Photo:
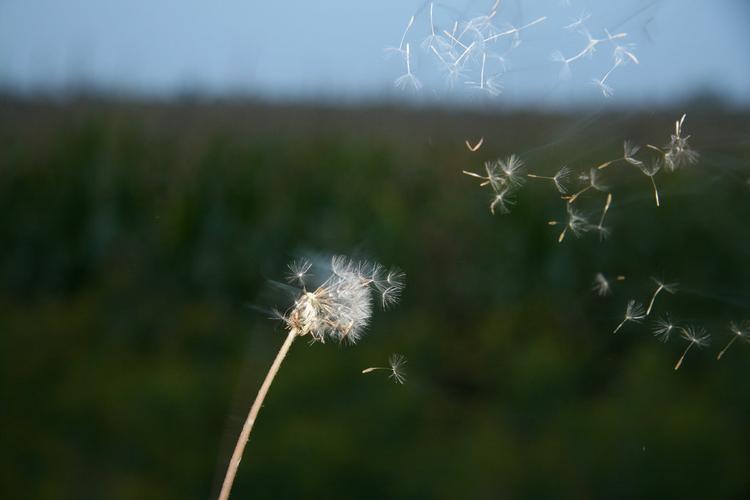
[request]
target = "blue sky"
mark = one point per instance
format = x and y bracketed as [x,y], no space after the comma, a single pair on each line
[335,48]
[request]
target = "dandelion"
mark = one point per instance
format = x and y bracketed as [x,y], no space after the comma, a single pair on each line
[628,155]
[667,287]
[432,38]
[396,364]
[663,328]
[587,50]
[739,331]
[633,312]
[603,231]
[408,79]
[338,309]
[624,54]
[577,224]
[559,178]
[400,48]
[490,85]
[594,183]
[606,90]
[601,285]
[650,170]
[678,152]
[695,336]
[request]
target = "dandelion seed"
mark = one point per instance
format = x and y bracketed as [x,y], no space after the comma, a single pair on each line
[408,79]
[739,331]
[577,224]
[578,22]
[650,171]
[339,309]
[594,183]
[400,48]
[633,312]
[678,152]
[512,167]
[396,364]
[476,146]
[620,278]
[667,287]
[298,271]
[624,53]
[432,38]
[628,155]
[695,336]
[601,285]
[629,151]
[559,178]
[515,31]
[606,90]
[663,328]
[603,231]
[503,200]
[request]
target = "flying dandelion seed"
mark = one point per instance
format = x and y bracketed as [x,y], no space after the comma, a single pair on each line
[629,152]
[650,170]
[601,285]
[408,79]
[677,153]
[667,287]
[577,224]
[695,336]
[739,331]
[396,365]
[663,328]
[633,312]
[594,183]
[603,231]
[559,178]
[338,309]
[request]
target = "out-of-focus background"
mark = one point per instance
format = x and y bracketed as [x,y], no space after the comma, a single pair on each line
[159,164]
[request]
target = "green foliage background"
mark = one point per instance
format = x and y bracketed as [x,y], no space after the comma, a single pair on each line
[136,240]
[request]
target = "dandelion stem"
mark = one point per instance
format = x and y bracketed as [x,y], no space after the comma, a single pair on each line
[620,325]
[653,298]
[239,448]
[727,347]
[679,363]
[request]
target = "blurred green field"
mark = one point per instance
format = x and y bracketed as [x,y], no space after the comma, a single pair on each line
[136,244]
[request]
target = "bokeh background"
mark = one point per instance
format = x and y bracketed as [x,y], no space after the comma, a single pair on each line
[145,207]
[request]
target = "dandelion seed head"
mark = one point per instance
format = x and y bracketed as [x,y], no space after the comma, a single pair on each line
[341,307]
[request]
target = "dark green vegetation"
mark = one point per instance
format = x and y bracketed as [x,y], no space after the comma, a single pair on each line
[134,238]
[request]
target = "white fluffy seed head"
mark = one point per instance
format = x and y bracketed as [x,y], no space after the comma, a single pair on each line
[341,306]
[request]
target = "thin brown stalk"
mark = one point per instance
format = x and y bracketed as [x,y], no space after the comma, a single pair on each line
[239,448]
